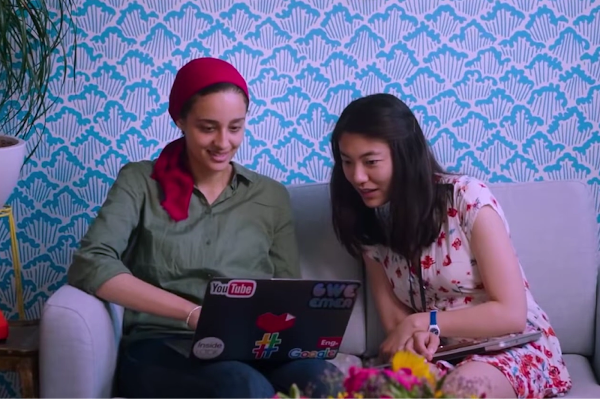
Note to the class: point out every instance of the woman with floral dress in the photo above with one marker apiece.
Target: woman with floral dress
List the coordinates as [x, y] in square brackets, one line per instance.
[436, 242]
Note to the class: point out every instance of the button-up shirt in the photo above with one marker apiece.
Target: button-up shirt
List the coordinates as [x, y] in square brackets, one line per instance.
[247, 232]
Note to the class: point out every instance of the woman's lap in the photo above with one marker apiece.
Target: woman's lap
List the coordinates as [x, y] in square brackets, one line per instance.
[529, 372]
[150, 368]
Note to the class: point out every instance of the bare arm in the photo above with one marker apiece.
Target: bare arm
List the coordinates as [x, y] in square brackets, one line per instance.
[98, 267]
[391, 311]
[506, 310]
[133, 293]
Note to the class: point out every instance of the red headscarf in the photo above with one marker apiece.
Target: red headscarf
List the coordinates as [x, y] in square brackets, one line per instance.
[170, 169]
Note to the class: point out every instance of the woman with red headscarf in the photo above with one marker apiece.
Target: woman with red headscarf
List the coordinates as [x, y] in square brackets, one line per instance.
[167, 227]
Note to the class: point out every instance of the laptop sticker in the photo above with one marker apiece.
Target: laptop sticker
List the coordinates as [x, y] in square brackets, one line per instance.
[329, 342]
[266, 346]
[208, 348]
[272, 323]
[333, 295]
[326, 353]
[234, 288]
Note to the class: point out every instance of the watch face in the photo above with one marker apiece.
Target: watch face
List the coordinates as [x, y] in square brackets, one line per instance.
[434, 330]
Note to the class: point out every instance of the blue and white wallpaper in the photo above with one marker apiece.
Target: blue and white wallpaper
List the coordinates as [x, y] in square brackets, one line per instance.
[506, 90]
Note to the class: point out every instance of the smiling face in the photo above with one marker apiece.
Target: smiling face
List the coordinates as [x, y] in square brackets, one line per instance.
[367, 165]
[214, 130]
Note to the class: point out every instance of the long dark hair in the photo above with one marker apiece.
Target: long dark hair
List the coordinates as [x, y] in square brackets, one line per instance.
[417, 204]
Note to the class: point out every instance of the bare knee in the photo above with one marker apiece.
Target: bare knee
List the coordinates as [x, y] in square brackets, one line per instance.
[478, 379]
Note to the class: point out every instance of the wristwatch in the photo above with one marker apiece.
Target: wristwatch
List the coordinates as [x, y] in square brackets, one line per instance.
[433, 327]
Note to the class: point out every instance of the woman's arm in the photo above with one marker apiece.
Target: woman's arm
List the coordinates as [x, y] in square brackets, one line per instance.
[284, 250]
[506, 310]
[391, 311]
[133, 293]
[98, 267]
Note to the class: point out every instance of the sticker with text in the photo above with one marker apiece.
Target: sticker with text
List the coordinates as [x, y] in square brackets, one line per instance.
[272, 323]
[333, 295]
[233, 288]
[326, 353]
[208, 348]
[266, 346]
[329, 342]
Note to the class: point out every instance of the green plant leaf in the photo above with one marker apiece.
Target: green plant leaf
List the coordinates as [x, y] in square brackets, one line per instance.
[295, 391]
[34, 35]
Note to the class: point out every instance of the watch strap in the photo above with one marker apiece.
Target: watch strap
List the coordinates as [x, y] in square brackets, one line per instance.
[433, 326]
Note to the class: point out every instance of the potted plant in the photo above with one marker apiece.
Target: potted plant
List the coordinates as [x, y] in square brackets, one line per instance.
[32, 39]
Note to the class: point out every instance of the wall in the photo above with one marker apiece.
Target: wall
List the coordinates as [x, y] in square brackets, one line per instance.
[506, 90]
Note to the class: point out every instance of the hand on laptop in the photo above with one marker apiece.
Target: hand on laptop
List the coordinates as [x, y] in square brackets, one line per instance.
[423, 343]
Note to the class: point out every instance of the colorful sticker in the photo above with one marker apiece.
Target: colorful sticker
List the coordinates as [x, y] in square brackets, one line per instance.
[272, 323]
[233, 288]
[333, 295]
[329, 342]
[326, 353]
[266, 346]
[208, 348]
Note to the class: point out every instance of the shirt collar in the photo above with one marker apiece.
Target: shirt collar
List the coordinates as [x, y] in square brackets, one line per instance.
[243, 172]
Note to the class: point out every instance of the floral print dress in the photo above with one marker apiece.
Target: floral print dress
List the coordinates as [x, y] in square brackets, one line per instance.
[451, 280]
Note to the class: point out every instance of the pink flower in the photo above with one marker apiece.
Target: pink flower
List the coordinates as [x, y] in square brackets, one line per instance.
[357, 378]
[403, 377]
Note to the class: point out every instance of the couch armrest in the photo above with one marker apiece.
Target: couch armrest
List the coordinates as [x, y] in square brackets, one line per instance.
[79, 338]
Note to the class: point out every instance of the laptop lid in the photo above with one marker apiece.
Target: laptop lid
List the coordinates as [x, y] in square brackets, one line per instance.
[273, 319]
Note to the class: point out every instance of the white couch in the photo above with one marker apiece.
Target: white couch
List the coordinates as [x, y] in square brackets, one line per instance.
[554, 230]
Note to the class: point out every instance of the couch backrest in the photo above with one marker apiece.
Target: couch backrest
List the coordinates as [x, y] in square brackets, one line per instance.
[555, 233]
[322, 257]
[554, 230]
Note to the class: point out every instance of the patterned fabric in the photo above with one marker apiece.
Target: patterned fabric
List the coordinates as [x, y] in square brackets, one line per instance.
[452, 282]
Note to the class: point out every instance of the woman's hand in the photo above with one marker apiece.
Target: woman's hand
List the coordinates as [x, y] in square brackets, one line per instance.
[398, 338]
[423, 343]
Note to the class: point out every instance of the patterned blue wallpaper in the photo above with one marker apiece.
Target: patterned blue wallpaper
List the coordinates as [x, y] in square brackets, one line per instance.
[506, 90]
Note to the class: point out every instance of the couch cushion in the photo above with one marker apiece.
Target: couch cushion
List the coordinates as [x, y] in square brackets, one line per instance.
[584, 382]
[322, 257]
[553, 228]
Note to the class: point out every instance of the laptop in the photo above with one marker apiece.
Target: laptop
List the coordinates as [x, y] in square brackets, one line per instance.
[454, 352]
[271, 319]
[485, 345]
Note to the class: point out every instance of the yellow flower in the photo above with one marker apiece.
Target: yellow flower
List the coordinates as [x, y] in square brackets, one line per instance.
[341, 395]
[344, 395]
[438, 394]
[415, 363]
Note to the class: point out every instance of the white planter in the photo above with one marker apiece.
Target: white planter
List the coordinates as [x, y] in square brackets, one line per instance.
[11, 161]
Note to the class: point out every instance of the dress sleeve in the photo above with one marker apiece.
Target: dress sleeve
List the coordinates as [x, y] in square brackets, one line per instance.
[373, 252]
[471, 195]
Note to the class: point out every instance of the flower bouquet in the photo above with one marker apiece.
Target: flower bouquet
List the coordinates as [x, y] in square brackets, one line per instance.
[410, 376]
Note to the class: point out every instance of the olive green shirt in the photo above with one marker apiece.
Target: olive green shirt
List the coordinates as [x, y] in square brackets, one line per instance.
[248, 232]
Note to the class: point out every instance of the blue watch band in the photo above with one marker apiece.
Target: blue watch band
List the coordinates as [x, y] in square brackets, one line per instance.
[433, 317]
[433, 327]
